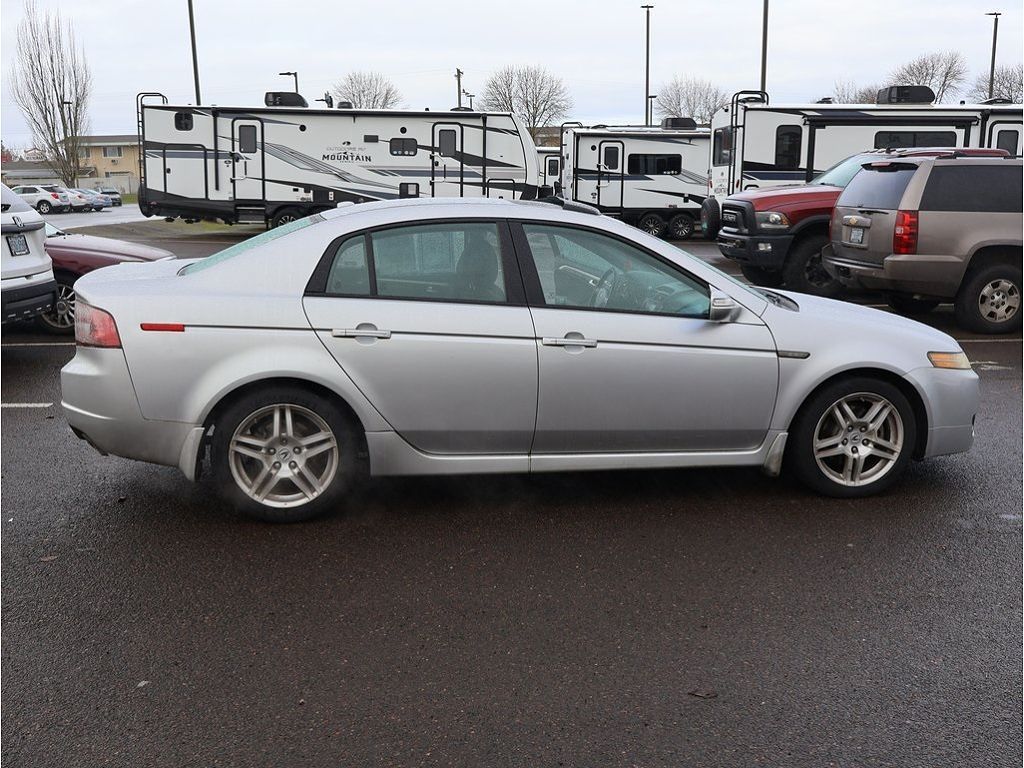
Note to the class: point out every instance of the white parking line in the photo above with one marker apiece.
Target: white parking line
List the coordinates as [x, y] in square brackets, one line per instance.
[25, 405]
[38, 344]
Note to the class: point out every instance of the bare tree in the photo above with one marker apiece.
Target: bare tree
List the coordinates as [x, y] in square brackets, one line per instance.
[51, 82]
[944, 72]
[1007, 84]
[848, 92]
[368, 90]
[531, 92]
[690, 97]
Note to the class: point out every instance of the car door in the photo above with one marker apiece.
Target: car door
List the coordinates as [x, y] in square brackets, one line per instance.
[628, 360]
[430, 322]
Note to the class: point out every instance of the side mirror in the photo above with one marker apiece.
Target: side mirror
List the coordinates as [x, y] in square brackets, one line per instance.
[723, 308]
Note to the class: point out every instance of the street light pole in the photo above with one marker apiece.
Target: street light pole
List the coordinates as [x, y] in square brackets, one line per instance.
[292, 74]
[764, 47]
[195, 57]
[650, 108]
[647, 66]
[995, 36]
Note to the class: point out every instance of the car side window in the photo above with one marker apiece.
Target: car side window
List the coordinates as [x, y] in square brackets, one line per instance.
[582, 269]
[457, 261]
[971, 187]
[350, 271]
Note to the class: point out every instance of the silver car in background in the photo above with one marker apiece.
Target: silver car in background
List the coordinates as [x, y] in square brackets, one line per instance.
[420, 337]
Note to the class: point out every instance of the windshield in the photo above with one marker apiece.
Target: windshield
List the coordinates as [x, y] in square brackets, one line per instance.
[839, 175]
[247, 245]
[52, 231]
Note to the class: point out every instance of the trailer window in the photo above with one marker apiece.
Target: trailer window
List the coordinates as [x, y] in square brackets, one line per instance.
[611, 158]
[903, 139]
[552, 166]
[247, 139]
[787, 147]
[655, 164]
[1008, 140]
[403, 147]
[721, 150]
[446, 142]
[183, 121]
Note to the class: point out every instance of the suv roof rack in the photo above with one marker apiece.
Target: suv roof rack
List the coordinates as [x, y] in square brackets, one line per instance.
[569, 205]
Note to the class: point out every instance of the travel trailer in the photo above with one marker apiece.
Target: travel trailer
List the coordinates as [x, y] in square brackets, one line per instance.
[759, 144]
[549, 166]
[654, 178]
[281, 162]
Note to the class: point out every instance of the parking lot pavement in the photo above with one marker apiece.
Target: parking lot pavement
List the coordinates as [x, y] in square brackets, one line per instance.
[128, 212]
[642, 618]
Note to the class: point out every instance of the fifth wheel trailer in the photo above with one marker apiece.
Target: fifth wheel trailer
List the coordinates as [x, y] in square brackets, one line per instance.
[278, 163]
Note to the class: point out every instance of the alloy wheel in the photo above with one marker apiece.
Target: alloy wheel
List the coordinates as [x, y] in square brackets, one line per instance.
[999, 300]
[62, 316]
[859, 439]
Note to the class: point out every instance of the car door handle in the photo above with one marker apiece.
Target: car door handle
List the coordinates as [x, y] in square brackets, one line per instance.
[575, 340]
[360, 333]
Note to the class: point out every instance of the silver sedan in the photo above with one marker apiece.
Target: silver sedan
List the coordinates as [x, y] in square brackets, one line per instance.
[420, 337]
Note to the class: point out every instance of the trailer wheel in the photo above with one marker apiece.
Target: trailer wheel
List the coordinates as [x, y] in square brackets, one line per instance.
[680, 226]
[285, 216]
[710, 218]
[652, 224]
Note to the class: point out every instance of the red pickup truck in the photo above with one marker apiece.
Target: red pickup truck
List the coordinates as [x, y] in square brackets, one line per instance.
[776, 234]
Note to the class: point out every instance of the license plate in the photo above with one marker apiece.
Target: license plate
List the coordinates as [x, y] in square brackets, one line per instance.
[18, 245]
[857, 236]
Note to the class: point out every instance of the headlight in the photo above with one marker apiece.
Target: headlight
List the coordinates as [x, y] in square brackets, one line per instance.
[955, 360]
[772, 220]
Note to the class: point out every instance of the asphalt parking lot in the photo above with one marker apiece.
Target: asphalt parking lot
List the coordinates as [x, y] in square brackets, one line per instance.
[715, 618]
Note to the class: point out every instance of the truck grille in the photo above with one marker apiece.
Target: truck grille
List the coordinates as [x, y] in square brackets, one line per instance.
[733, 218]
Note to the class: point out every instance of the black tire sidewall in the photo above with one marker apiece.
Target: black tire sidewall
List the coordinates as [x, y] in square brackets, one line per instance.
[229, 419]
[799, 445]
[276, 221]
[966, 306]
[794, 270]
[710, 218]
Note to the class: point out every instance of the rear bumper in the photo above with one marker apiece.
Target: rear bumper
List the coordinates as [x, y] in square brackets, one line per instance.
[764, 251]
[930, 275]
[951, 400]
[22, 303]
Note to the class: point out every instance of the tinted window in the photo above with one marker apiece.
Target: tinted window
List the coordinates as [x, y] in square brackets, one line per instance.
[404, 147]
[900, 139]
[183, 121]
[655, 164]
[1008, 140]
[460, 261]
[247, 139]
[350, 273]
[611, 158]
[878, 186]
[787, 147]
[989, 188]
[587, 270]
[446, 142]
[722, 151]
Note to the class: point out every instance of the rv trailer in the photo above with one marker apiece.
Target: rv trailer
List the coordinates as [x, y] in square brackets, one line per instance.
[654, 178]
[275, 164]
[549, 167]
[756, 144]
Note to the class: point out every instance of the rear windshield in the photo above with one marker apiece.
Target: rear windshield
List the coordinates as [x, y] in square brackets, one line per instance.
[878, 186]
[248, 245]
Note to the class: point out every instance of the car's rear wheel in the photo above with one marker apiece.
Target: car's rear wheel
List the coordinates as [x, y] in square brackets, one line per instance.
[286, 216]
[804, 271]
[283, 454]
[905, 304]
[61, 319]
[44, 207]
[681, 226]
[989, 301]
[652, 224]
[852, 438]
[769, 278]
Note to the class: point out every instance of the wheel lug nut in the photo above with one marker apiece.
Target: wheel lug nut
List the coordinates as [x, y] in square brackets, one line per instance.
[854, 449]
[849, 429]
[845, 441]
[271, 451]
[277, 465]
[297, 450]
[863, 429]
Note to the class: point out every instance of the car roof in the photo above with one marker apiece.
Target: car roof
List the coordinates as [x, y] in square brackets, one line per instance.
[436, 207]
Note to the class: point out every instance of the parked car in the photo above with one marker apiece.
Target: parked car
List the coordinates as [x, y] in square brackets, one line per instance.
[26, 274]
[929, 230]
[44, 199]
[96, 200]
[453, 336]
[77, 255]
[79, 202]
[113, 194]
[776, 234]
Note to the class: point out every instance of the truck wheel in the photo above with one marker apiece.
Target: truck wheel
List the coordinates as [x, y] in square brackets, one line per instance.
[680, 227]
[285, 216]
[652, 224]
[905, 304]
[803, 271]
[769, 278]
[710, 218]
[989, 300]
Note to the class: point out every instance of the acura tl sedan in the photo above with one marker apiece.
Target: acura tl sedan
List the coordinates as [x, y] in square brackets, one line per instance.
[425, 337]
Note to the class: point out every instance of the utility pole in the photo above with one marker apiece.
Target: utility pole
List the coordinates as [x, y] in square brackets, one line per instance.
[995, 36]
[647, 67]
[764, 48]
[458, 84]
[195, 57]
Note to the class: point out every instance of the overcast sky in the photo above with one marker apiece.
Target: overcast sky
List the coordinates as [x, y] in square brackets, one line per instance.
[596, 46]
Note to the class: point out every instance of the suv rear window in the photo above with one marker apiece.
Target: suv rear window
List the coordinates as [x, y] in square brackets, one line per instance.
[988, 188]
[880, 186]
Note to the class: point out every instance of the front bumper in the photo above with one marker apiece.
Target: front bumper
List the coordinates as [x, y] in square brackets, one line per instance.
[951, 401]
[29, 301]
[929, 275]
[764, 251]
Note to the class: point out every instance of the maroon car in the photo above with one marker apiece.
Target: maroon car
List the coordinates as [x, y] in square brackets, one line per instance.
[73, 256]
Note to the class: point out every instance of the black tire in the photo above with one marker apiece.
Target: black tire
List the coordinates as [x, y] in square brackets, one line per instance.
[285, 216]
[43, 207]
[681, 226]
[302, 402]
[989, 300]
[769, 278]
[710, 218]
[804, 272]
[652, 224]
[905, 304]
[60, 320]
[800, 456]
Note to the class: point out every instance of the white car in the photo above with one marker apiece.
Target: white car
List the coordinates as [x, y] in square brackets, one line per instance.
[44, 198]
[28, 287]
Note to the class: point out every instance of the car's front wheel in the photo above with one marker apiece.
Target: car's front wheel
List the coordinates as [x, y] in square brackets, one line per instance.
[804, 271]
[852, 438]
[283, 454]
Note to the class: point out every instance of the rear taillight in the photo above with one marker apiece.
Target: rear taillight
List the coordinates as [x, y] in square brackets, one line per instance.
[95, 327]
[55, 196]
[904, 234]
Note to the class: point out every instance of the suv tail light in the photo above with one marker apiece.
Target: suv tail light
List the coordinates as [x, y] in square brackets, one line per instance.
[94, 327]
[55, 196]
[904, 234]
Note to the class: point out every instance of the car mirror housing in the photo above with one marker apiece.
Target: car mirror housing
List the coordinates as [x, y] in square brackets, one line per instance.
[723, 308]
